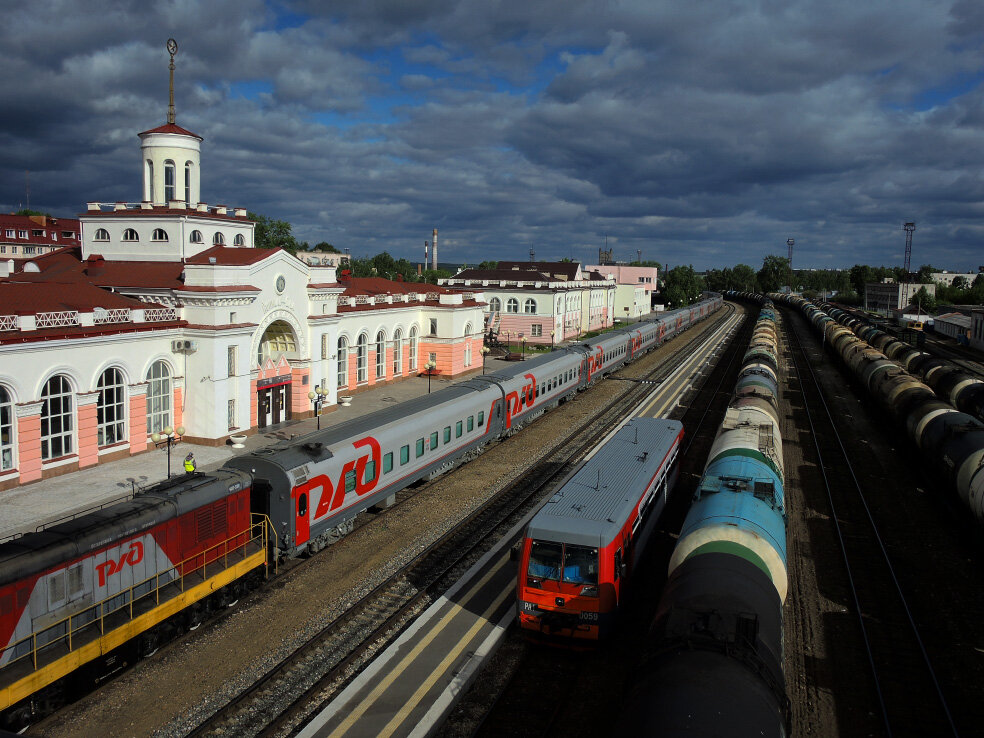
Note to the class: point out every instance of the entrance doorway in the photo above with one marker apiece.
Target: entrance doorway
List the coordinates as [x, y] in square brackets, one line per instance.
[272, 404]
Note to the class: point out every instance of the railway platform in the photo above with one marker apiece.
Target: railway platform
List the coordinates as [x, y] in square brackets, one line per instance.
[23, 509]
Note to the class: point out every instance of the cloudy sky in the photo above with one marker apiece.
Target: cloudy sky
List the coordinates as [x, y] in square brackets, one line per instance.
[704, 133]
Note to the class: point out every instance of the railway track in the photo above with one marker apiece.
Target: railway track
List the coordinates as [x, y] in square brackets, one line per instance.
[307, 679]
[906, 697]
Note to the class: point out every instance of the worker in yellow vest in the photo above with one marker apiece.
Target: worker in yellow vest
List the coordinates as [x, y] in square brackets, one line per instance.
[190, 465]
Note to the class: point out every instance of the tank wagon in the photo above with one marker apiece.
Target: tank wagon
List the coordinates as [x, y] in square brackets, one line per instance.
[578, 555]
[60, 585]
[951, 441]
[712, 663]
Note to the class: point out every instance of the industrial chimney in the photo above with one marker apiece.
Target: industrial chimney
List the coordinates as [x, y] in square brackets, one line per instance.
[434, 249]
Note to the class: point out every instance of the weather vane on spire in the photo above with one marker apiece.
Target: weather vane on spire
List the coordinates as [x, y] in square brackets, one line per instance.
[172, 48]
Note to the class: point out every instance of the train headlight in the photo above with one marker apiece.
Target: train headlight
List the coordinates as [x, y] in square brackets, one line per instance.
[531, 582]
[590, 590]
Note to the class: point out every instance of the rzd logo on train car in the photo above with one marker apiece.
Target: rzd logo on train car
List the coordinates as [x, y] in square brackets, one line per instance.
[333, 495]
[515, 400]
[110, 567]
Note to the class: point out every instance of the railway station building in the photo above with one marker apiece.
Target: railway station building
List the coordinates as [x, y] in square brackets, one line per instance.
[543, 303]
[164, 315]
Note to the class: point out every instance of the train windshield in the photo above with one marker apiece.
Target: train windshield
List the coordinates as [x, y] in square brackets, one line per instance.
[559, 562]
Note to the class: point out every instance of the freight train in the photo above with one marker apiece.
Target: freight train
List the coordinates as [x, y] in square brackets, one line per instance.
[712, 661]
[579, 552]
[951, 441]
[85, 598]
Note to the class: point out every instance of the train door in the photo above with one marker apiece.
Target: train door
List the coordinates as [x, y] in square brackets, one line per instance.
[302, 518]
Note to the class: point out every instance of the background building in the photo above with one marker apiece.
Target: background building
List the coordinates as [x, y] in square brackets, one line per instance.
[27, 236]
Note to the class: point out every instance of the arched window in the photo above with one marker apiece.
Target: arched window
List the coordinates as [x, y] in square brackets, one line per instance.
[512, 305]
[6, 430]
[380, 355]
[398, 353]
[150, 180]
[218, 239]
[188, 166]
[159, 235]
[495, 305]
[158, 397]
[413, 349]
[111, 408]
[468, 344]
[342, 363]
[168, 181]
[239, 240]
[362, 359]
[196, 237]
[529, 306]
[277, 339]
[57, 418]
[101, 235]
[130, 235]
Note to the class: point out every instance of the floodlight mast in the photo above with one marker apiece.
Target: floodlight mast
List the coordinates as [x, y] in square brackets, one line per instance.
[908, 228]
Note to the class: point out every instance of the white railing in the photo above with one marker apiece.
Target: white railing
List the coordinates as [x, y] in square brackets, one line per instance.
[160, 315]
[467, 295]
[362, 299]
[433, 296]
[412, 296]
[57, 320]
[116, 315]
[8, 322]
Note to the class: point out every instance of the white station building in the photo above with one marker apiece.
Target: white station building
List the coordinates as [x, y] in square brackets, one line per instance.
[167, 316]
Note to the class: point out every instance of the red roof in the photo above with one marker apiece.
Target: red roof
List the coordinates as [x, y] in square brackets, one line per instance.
[229, 256]
[32, 223]
[156, 211]
[382, 286]
[171, 128]
[27, 294]
[134, 274]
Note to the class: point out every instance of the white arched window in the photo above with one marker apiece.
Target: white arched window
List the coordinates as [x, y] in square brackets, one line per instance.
[495, 305]
[413, 349]
[169, 189]
[218, 239]
[57, 418]
[380, 355]
[196, 237]
[150, 180]
[398, 353]
[362, 359]
[130, 235]
[7, 445]
[468, 344]
[111, 408]
[158, 397]
[187, 197]
[512, 305]
[101, 235]
[342, 363]
[529, 306]
[239, 240]
[159, 235]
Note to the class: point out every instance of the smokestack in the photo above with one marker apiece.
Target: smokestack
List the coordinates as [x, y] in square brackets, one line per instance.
[426, 245]
[434, 249]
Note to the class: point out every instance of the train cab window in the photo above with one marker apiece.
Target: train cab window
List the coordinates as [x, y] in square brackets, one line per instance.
[481, 419]
[420, 447]
[458, 429]
[471, 423]
[580, 564]
[350, 480]
[302, 505]
[388, 462]
[405, 454]
[447, 434]
[433, 440]
[545, 558]
[370, 472]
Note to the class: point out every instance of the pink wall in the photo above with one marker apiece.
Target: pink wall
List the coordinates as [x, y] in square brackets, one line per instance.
[88, 436]
[138, 423]
[29, 447]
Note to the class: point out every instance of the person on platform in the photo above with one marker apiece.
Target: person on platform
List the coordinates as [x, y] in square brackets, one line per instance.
[190, 464]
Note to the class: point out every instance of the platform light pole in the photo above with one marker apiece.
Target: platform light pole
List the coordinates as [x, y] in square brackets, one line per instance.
[485, 352]
[168, 438]
[552, 334]
[430, 366]
[317, 397]
[523, 339]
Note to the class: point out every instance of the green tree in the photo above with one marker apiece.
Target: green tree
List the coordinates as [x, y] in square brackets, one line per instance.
[925, 301]
[861, 274]
[28, 211]
[924, 273]
[488, 265]
[683, 286]
[960, 283]
[773, 274]
[432, 275]
[325, 247]
[273, 234]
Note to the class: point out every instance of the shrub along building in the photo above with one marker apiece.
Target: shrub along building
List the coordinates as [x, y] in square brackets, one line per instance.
[166, 316]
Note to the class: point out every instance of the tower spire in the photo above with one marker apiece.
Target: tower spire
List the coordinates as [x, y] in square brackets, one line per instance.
[172, 48]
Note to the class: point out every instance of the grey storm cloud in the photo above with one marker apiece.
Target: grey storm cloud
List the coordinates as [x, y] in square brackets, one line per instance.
[703, 133]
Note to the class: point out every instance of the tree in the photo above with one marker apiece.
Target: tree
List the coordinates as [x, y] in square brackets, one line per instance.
[960, 283]
[325, 247]
[683, 286]
[924, 300]
[773, 274]
[925, 272]
[488, 265]
[28, 211]
[861, 274]
[273, 234]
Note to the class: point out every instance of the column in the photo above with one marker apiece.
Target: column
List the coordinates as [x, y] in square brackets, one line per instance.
[88, 431]
[138, 417]
[29, 440]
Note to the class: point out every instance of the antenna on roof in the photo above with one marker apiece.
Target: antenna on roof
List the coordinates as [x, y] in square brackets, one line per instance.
[172, 48]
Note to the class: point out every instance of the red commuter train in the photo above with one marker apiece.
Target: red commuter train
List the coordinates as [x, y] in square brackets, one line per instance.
[580, 549]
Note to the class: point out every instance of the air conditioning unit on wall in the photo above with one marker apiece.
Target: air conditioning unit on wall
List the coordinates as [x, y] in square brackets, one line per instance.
[183, 346]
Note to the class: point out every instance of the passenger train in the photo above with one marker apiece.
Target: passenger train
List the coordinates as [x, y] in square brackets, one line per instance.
[712, 661]
[86, 597]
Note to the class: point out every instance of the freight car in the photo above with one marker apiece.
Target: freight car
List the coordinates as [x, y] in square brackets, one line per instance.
[951, 441]
[579, 551]
[73, 597]
[713, 656]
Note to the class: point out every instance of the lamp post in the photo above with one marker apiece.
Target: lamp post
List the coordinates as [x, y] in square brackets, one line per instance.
[430, 366]
[485, 352]
[552, 334]
[317, 397]
[168, 438]
[524, 347]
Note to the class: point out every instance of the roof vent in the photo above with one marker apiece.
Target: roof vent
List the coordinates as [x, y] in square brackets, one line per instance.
[211, 260]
